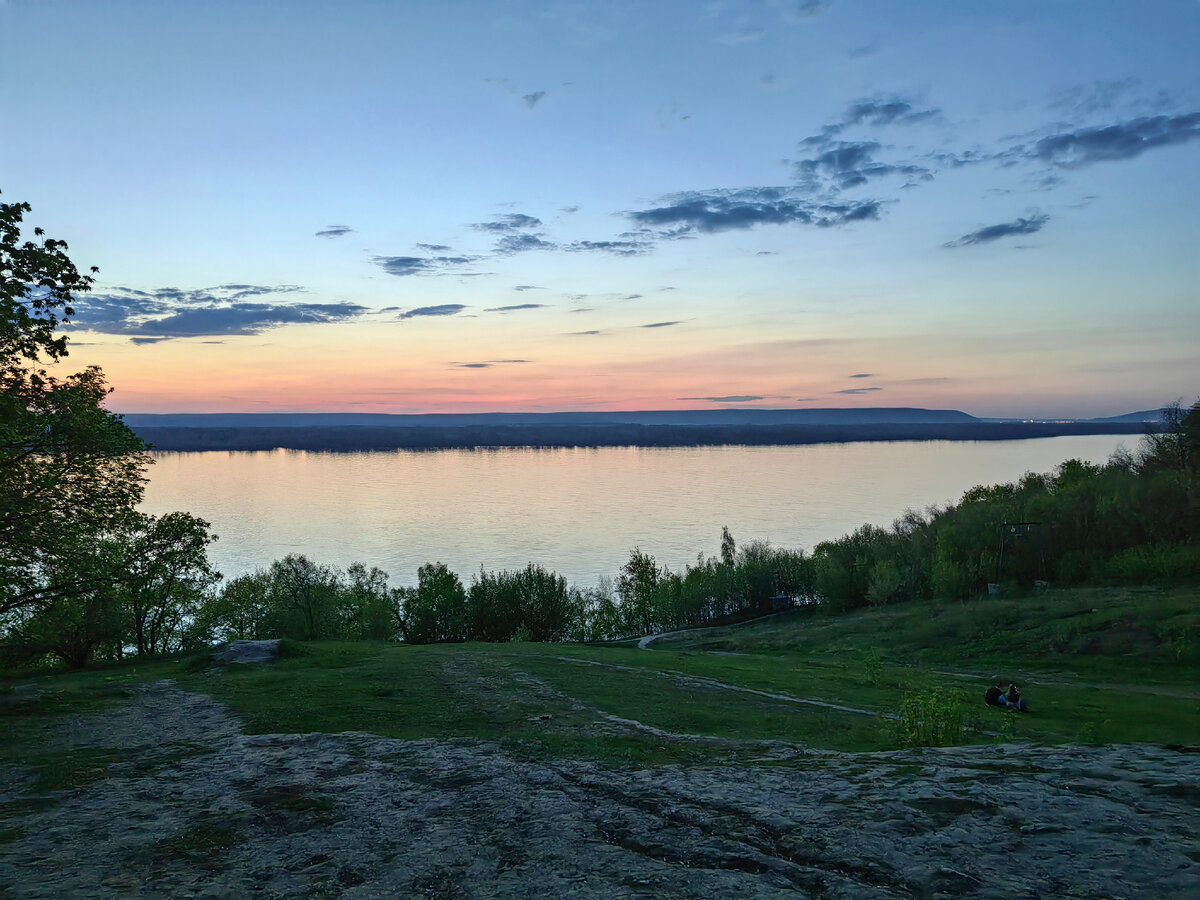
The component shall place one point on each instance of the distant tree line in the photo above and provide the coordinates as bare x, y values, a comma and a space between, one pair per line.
350, 438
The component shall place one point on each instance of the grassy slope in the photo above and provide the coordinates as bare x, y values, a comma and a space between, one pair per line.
1105, 665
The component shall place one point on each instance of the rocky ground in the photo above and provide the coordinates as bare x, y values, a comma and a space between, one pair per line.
186, 805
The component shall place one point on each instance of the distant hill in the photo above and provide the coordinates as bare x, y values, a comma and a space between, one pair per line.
690, 417
349, 432
1147, 415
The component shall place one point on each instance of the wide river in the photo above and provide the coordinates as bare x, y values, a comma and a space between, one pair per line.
576, 511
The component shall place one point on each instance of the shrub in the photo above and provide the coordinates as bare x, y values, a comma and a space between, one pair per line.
933, 718
1154, 564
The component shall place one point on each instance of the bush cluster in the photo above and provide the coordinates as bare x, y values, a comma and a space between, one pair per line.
1134, 519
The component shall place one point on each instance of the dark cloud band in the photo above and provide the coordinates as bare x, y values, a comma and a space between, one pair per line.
168, 313
1123, 140
443, 309
725, 210
1005, 229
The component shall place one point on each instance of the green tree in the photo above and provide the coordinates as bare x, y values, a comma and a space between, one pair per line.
436, 609
167, 575
600, 612
636, 586
87, 615
547, 607
304, 598
728, 546
70, 470
1177, 446
240, 611
368, 604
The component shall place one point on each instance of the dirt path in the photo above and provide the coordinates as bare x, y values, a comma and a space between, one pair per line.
194, 808
699, 681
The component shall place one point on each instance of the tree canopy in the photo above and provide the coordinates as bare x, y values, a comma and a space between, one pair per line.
80, 566
70, 470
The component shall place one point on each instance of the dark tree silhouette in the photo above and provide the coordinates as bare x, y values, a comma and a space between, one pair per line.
70, 471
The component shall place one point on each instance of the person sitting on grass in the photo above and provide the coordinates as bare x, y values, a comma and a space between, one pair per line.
1012, 699
992, 695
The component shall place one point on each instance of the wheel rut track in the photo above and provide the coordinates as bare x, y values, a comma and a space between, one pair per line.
757, 848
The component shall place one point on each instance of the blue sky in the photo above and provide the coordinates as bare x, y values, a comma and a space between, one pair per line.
463, 206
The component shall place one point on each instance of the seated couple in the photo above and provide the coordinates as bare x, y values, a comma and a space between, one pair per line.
1010, 699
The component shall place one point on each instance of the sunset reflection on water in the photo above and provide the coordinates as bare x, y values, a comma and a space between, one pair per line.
578, 511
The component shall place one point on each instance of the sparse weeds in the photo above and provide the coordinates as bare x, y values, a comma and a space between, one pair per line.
932, 718
872, 666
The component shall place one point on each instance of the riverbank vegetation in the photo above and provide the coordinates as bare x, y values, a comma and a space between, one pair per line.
1096, 665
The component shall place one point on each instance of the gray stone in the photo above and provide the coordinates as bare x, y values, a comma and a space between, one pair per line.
196, 808
248, 652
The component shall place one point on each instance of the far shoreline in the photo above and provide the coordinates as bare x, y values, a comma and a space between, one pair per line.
358, 438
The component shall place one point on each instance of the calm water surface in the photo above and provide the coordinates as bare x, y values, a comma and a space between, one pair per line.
577, 511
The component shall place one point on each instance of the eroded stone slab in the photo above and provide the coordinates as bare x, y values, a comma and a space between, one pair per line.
248, 652
194, 807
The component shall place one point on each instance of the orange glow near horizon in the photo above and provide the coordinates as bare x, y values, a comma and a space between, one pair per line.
462, 366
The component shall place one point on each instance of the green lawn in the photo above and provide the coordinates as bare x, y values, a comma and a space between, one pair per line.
1096, 665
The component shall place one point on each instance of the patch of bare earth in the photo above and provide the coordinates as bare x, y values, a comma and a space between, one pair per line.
192, 807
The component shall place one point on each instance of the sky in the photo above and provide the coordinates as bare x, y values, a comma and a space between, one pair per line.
544, 205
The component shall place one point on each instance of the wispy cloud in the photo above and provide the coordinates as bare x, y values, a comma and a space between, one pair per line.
443, 309
508, 223
887, 111
616, 248
150, 316
864, 375
661, 324
846, 172
803, 9
516, 307
731, 398
487, 364
728, 209
865, 390
528, 287
1118, 141
226, 310
522, 243
849, 164
421, 265
334, 231
1027, 225
877, 111
532, 99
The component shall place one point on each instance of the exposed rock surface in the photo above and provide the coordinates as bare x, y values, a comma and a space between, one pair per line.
248, 652
195, 808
